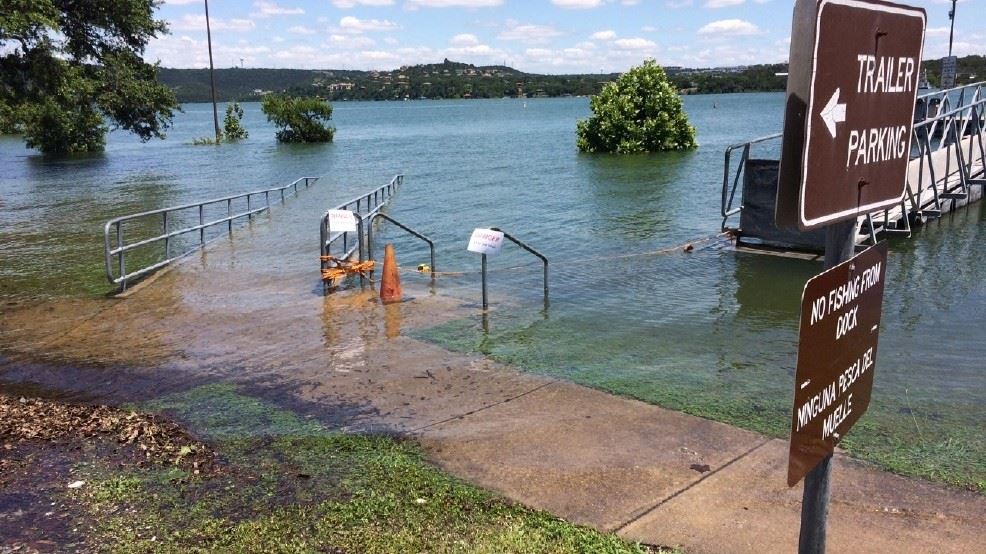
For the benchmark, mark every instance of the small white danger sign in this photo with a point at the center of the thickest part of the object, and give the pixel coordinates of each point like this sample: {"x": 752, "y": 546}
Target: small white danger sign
{"x": 342, "y": 221}
{"x": 486, "y": 241}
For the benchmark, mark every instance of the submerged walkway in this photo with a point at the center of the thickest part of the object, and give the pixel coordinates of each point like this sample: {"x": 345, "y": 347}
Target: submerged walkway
{"x": 647, "y": 473}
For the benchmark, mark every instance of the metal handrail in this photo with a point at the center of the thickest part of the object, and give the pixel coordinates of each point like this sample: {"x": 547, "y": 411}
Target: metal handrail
{"x": 369, "y": 237}
{"x": 372, "y": 202}
{"x": 521, "y": 244}
{"x": 167, "y": 234}
{"x": 729, "y": 192}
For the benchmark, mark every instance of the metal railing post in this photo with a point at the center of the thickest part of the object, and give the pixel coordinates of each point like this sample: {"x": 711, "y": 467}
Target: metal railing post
{"x": 167, "y": 237}
{"x": 122, "y": 262}
{"x": 201, "y": 224}
{"x": 486, "y": 303}
{"x": 229, "y": 215}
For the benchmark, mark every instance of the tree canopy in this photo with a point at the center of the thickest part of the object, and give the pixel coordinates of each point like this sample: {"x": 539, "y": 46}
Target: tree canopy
{"x": 299, "y": 119}
{"x": 640, "y": 112}
{"x": 68, "y": 68}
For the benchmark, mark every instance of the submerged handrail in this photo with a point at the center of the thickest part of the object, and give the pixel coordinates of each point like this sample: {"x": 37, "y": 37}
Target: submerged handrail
{"x": 122, "y": 276}
{"x": 372, "y": 202}
{"x": 523, "y": 245}
{"x": 369, "y": 238}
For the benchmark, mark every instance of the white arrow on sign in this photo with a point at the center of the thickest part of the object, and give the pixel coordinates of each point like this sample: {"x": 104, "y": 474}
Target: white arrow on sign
{"x": 833, "y": 113}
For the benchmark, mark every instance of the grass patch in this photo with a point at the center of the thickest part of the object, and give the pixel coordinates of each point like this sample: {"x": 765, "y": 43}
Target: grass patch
{"x": 288, "y": 484}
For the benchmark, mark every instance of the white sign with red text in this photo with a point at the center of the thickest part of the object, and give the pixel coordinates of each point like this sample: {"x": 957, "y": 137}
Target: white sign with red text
{"x": 342, "y": 221}
{"x": 486, "y": 241}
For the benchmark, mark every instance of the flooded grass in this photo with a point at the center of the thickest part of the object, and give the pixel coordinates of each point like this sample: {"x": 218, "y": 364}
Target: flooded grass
{"x": 287, "y": 484}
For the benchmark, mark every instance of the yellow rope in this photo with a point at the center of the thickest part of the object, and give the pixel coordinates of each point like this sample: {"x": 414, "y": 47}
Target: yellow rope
{"x": 344, "y": 268}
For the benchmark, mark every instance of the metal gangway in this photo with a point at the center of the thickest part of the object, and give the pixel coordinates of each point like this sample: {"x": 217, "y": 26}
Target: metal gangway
{"x": 945, "y": 172}
{"x": 166, "y": 225}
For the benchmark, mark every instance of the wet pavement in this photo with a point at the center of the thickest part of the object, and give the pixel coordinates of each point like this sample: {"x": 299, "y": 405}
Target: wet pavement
{"x": 650, "y": 474}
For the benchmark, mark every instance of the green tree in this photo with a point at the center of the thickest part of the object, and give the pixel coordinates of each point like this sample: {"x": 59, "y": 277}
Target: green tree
{"x": 299, "y": 119}
{"x": 640, "y": 112}
{"x": 232, "y": 124}
{"x": 69, "y": 69}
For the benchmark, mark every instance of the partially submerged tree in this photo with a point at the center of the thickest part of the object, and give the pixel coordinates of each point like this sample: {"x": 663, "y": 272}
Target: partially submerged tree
{"x": 640, "y": 112}
{"x": 67, "y": 68}
{"x": 232, "y": 125}
{"x": 299, "y": 119}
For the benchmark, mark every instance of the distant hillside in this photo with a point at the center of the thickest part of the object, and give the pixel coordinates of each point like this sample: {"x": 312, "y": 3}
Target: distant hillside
{"x": 443, "y": 80}
{"x": 459, "y": 80}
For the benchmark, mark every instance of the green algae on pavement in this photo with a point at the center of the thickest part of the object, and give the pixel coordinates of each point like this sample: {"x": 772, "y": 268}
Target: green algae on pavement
{"x": 678, "y": 373}
{"x": 288, "y": 484}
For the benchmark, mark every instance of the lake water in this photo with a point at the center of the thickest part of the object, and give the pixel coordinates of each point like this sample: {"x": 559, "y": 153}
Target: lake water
{"x": 712, "y": 332}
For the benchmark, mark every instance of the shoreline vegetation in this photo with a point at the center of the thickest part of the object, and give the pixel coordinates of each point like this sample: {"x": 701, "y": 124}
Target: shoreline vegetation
{"x": 454, "y": 80}
{"x": 240, "y": 475}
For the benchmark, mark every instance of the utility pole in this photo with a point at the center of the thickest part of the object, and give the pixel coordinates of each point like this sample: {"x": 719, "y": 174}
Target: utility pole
{"x": 951, "y": 31}
{"x": 212, "y": 74}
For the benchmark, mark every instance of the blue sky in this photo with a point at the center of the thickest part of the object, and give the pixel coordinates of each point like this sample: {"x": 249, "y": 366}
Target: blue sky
{"x": 549, "y": 36}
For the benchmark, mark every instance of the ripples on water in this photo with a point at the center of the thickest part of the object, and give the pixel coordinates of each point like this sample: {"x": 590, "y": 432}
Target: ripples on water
{"x": 683, "y": 329}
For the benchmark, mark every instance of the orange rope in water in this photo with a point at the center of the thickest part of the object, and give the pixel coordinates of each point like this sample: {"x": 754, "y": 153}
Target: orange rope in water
{"x": 344, "y": 268}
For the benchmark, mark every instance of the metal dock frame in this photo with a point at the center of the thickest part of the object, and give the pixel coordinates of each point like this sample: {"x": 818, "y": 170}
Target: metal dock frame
{"x": 115, "y": 228}
{"x": 947, "y": 158}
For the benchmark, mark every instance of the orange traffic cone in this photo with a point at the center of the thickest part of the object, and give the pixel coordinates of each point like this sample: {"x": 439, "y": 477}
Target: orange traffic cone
{"x": 390, "y": 283}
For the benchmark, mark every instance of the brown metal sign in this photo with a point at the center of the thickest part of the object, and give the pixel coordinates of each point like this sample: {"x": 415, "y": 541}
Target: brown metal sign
{"x": 840, "y": 322}
{"x": 852, "y": 87}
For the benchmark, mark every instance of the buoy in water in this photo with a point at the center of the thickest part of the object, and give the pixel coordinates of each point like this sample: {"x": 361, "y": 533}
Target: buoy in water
{"x": 390, "y": 283}
{"x": 424, "y": 268}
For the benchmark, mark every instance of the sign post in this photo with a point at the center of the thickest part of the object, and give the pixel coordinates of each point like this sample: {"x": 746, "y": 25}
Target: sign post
{"x": 852, "y": 89}
{"x": 948, "y": 64}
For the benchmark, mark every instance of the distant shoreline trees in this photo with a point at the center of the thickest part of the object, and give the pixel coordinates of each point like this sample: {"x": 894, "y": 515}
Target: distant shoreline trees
{"x": 68, "y": 68}
{"x": 640, "y": 112}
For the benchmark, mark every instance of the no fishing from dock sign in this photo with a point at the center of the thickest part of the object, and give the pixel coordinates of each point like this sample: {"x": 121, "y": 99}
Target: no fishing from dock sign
{"x": 840, "y": 325}
{"x": 852, "y": 88}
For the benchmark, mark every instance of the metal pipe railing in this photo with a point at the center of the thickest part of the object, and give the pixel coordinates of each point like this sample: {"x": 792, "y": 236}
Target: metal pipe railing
{"x": 371, "y": 203}
{"x": 729, "y": 190}
{"x": 369, "y": 238}
{"x": 521, "y": 244}
{"x": 116, "y": 226}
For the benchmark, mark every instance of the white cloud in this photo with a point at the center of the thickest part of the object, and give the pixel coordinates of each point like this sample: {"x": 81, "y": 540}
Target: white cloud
{"x": 464, "y": 39}
{"x": 529, "y": 33}
{"x": 352, "y": 24}
{"x": 301, "y": 30}
{"x": 716, "y": 4}
{"x": 730, "y": 27}
{"x": 353, "y": 3}
{"x": 413, "y": 4}
{"x": 577, "y": 4}
{"x": 634, "y": 44}
{"x": 350, "y": 41}
{"x": 191, "y": 22}
{"x": 675, "y": 4}
{"x": 184, "y": 51}
{"x": 266, "y": 9}
{"x": 608, "y": 34}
